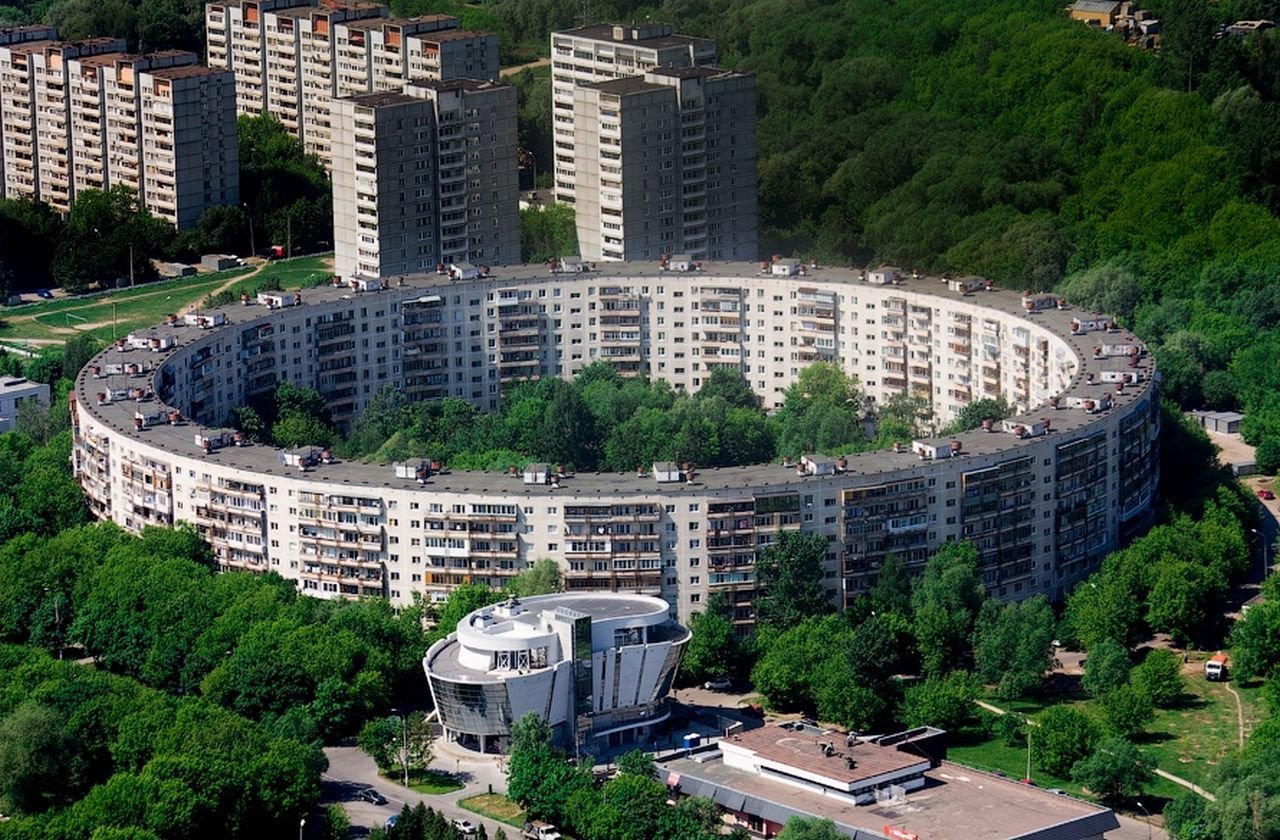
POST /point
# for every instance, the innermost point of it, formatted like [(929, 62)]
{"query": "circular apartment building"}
[(1043, 495), (591, 665)]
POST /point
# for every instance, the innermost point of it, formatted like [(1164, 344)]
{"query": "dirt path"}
[(1239, 711), (511, 71)]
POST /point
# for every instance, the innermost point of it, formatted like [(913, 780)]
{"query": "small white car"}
[(465, 827), (718, 684)]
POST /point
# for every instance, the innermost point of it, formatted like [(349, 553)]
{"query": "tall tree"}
[(1013, 645), (790, 574), (1116, 770), (713, 650), (1106, 668), (946, 601)]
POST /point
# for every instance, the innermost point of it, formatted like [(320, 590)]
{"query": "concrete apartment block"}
[(189, 144), (236, 40), (666, 164), (106, 99), (425, 176), (35, 115), (592, 54), (313, 53)]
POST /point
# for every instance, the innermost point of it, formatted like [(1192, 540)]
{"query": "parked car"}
[(391, 821), (718, 684), (465, 827), (44, 294), (371, 795), (1266, 494)]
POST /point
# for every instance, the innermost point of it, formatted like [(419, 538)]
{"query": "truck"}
[(538, 830), (1216, 668)]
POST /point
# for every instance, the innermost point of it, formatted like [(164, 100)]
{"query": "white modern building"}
[(666, 165), (13, 393), (601, 52), (1043, 495), (425, 177), (596, 667)]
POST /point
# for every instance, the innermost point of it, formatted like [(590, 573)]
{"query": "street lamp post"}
[(1148, 813), (253, 248), (302, 824), (404, 745), (1262, 544), (1027, 723)]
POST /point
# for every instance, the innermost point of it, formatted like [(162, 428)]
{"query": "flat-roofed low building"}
[(596, 667), (1100, 13), (14, 392), (896, 786)]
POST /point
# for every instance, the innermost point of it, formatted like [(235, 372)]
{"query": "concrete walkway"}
[(1186, 783)]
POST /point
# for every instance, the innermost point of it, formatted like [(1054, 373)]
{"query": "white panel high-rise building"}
[(591, 54), (292, 58), (425, 176), (666, 164)]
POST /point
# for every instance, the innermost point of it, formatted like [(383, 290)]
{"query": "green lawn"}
[(973, 748), (495, 806), (145, 305), (1191, 739), (433, 782)]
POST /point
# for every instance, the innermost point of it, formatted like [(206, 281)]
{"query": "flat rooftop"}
[(956, 803), (599, 607), (604, 32), (625, 85), (186, 71), (445, 663), (803, 750), (18, 384), (584, 488), (383, 98)]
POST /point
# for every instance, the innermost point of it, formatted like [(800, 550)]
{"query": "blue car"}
[(44, 293), (391, 821)]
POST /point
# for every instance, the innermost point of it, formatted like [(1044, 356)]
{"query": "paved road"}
[(351, 770)]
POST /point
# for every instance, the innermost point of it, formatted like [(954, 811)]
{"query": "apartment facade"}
[(89, 116), (106, 117), (189, 147), (1043, 495), (598, 53), (423, 177), (236, 40), (35, 115), (293, 57), (666, 164)]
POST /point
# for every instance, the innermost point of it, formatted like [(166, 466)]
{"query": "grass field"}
[(1191, 739), (495, 806), (432, 782), (57, 320), (1188, 740)]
